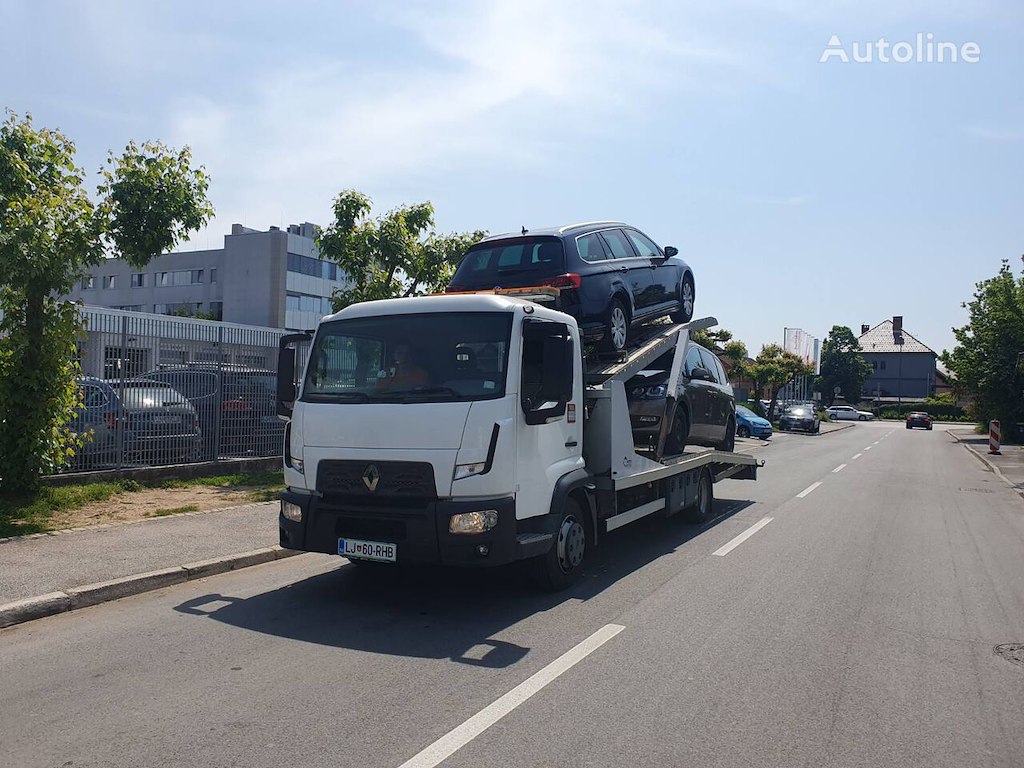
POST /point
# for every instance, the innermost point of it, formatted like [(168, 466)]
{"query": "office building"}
[(273, 279)]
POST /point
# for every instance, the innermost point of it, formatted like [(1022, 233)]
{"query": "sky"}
[(802, 193)]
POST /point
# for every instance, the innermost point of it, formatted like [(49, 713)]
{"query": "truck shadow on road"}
[(440, 613)]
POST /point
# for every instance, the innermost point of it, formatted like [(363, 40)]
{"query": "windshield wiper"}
[(423, 391), (347, 397)]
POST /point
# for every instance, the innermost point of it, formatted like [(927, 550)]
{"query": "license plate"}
[(368, 550), (166, 419)]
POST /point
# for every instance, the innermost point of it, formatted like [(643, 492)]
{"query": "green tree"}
[(148, 199), (395, 255), (775, 368), (987, 357), (842, 366)]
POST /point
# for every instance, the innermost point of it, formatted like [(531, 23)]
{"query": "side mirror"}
[(703, 374), (286, 390), (670, 251)]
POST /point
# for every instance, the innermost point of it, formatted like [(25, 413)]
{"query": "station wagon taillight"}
[(568, 280)]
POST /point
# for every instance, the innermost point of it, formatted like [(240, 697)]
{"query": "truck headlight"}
[(291, 511), (468, 470), (473, 522), (297, 465)]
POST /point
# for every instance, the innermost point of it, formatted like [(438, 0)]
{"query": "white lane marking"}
[(840, 468), (868, 448), (806, 491), (727, 548), (461, 735), (857, 457)]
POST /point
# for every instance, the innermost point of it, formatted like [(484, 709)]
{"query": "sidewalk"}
[(1009, 465), (126, 558)]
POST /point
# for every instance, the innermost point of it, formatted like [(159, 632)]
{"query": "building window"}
[(307, 265), (161, 278), (110, 281), (130, 307), (882, 365), (138, 280), (87, 282), (216, 307), (213, 275), (182, 308), (874, 365), (179, 277)]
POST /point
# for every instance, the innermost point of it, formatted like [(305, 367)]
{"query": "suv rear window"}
[(490, 263)]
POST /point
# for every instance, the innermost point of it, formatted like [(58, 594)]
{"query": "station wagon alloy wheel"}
[(618, 327), (687, 297)]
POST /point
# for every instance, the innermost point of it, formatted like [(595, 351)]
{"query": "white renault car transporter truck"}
[(466, 430)]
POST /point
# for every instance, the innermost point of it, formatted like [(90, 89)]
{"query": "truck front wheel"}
[(563, 563)]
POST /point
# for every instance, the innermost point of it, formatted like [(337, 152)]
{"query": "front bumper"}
[(797, 425), (419, 531)]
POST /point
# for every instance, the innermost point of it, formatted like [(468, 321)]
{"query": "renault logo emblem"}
[(371, 476)]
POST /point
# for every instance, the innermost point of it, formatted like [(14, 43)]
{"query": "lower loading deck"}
[(667, 488)]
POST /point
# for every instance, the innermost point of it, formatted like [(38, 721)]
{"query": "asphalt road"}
[(856, 628)]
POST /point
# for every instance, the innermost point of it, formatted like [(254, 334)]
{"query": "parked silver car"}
[(840, 412), (134, 422)]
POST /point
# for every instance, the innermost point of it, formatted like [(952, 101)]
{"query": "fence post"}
[(994, 437), (218, 448), (119, 431)]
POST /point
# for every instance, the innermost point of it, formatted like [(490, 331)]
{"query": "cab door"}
[(549, 423)]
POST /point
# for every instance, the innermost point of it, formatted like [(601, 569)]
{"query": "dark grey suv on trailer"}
[(610, 276)]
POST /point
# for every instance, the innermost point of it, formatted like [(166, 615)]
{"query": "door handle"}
[(623, 269), (571, 443)]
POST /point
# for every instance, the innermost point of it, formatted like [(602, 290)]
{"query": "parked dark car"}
[(706, 410), (610, 276), (134, 422), (237, 407), (800, 418), (919, 419)]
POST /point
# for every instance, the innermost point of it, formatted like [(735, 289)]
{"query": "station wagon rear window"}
[(488, 263)]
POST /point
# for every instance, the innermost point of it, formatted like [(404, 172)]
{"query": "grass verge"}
[(22, 515), (175, 510)]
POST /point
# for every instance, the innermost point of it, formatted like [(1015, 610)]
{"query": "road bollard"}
[(994, 436)]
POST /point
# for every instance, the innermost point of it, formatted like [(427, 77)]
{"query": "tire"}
[(616, 327), (703, 506), (687, 296), (729, 444), (909, 427), (742, 432), (929, 427), (675, 443), (862, 418), (563, 563)]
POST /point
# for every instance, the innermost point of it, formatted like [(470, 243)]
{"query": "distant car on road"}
[(845, 412), (749, 424), (919, 419), (800, 418)]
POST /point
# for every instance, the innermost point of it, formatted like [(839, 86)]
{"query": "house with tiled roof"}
[(902, 367)]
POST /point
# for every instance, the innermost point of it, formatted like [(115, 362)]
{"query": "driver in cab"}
[(405, 374)]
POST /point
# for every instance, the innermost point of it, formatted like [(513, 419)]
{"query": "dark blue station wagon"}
[(611, 276)]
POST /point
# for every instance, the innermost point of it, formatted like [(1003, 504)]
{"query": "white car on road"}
[(839, 412)]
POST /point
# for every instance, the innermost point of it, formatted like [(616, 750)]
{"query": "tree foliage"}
[(50, 232), (987, 357), (395, 255), (842, 366), (775, 368)]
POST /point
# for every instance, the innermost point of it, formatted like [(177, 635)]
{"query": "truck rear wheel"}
[(703, 505), (563, 563)]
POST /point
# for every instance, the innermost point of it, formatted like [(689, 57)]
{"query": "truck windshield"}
[(410, 358)]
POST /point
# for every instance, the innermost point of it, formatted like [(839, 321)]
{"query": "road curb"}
[(41, 606), (988, 463)]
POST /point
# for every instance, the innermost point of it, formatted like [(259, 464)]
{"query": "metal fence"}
[(161, 390)]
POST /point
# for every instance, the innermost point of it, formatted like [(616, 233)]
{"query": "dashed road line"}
[(727, 548), (840, 468), (461, 735), (857, 457), (806, 491)]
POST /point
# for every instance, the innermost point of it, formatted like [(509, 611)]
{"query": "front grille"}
[(370, 529), (376, 479)]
